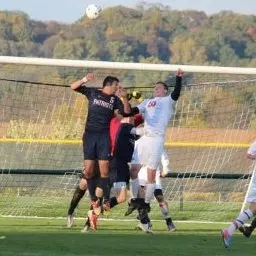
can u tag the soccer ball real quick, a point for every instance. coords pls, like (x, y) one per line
(93, 11)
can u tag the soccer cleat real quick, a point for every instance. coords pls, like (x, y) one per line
(131, 207)
(171, 227)
(70, 221)
(246, 231)
(86, 226)
(226, 238)
(85, 229)
(93, 219)
(147, 228)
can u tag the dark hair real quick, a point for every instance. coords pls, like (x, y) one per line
(163, 84)
(109, 80)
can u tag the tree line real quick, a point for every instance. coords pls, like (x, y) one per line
(147, 33)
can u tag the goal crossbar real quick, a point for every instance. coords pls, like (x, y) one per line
(125, 65)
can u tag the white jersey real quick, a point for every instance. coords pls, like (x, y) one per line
(252, 150)
(157, 113)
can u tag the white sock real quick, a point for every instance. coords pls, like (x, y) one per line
(150, 188)
(240, 220)
(134, 188)
(164, 210)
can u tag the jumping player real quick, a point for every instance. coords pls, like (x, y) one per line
(96, 141)
(122, 134)
(148, 149)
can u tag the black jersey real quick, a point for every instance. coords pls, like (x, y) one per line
(101, 108)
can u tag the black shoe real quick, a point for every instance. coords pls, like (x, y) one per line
(246, 231)
(131, 207)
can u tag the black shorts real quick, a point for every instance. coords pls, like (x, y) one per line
(118, 171)
(96, 145)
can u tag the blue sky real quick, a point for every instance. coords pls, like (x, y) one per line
(71, 10)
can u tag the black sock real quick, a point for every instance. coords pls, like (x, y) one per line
(253, 224)
(168, 221)
(143, 216)
(104, 184)
(113, 202)
(91, 184)
(78, 194)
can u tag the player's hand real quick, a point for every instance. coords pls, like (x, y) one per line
(89, 77)
(122, 92)
(180, 73)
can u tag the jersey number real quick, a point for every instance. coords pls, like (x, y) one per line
(151, 104)
(112, 100)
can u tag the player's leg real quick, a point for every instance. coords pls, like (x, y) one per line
(120, 170)
(165, 162)
(77, 196)
(90, 156)
(144, 220)
(242, 217)
(103, 153)
(158, 193)
(247, 231)
(164, 209)
(134, 188)
(120, 194)
(135, 168)
(237, 223)
(152, 158)
(150, 187)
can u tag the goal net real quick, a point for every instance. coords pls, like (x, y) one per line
(42, 121)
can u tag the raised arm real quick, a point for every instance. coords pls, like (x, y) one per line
(176, 92)
(123, 96)
(77, 84)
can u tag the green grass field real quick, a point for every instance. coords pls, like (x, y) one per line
(51, 237)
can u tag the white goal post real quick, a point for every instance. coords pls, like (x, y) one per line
(42, 121)
(125, 65)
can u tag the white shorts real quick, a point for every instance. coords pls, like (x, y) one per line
(143, 178)
(148, 151)
(252, 192)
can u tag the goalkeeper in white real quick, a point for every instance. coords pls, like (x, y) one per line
(244, 216)
(149, 148)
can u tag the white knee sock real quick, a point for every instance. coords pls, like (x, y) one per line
(240, 220)
(134, 189)
(150, 188)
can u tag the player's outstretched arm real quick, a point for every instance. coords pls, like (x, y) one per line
(176, 92)
(77, 84)
(123, 97)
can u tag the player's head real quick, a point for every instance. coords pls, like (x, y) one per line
(110, 84)
(160, 89)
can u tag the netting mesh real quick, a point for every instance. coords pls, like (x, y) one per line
(42, 121)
